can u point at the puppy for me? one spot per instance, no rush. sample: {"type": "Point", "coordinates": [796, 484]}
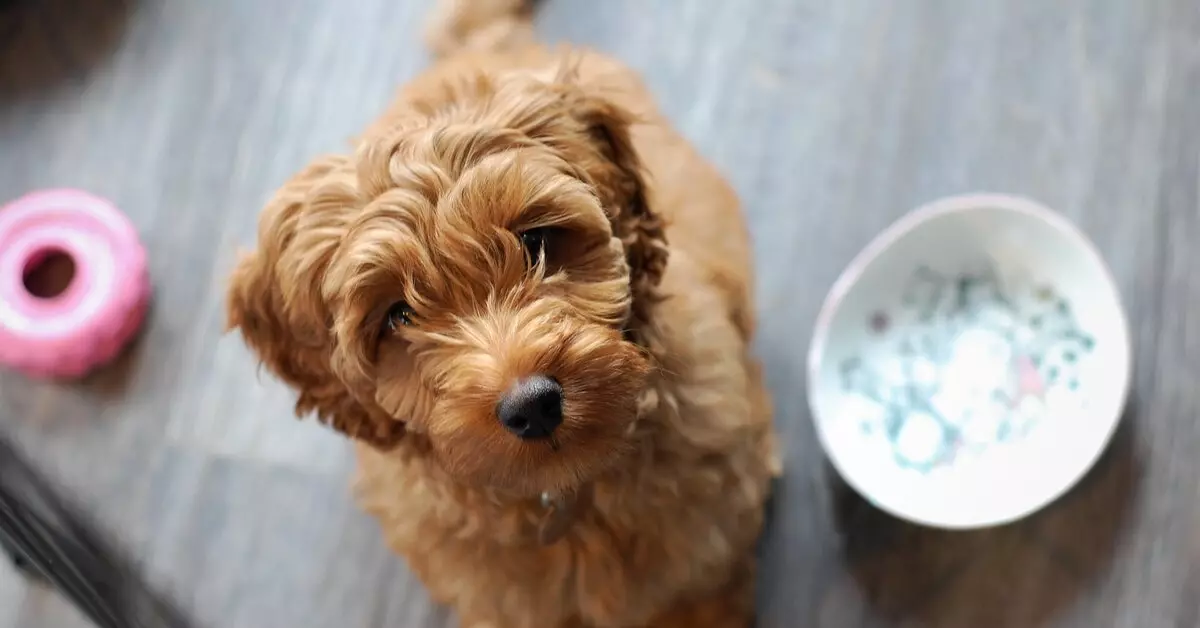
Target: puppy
{"type": "Point", "coordinates": [529, 302]}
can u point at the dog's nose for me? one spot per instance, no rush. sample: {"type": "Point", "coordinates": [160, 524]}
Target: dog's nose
{"type": "Point", "coordinates": [532, 408]}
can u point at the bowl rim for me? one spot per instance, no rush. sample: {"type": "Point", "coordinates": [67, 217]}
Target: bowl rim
{"type": "Point", "coordinates": [849, 277]}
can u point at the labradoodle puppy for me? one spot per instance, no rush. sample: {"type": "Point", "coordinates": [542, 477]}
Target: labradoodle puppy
{"type": "Point", "coordinates": [529, 301]}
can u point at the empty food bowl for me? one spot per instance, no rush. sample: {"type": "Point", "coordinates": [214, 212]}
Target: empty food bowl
{"type": "Point", "coordinates": [971, 364]}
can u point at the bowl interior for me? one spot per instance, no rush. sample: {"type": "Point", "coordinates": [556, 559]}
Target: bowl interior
{"type": "Point", "coordinates": [971, 365]}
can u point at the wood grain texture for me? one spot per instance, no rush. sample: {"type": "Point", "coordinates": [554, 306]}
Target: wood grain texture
{"type": "Point", "coordinates": [831, 118]}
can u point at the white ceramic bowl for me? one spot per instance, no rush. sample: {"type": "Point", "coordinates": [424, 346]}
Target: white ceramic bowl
{"type": "Point", "coordinates": [971, 364]}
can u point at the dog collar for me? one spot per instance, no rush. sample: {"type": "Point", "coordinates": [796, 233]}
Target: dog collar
{"type": "Point", "coordinates": [559, 513]}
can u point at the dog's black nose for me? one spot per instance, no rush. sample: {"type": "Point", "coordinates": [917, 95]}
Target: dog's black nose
{"type": "Point", "coordinates": [532, 408]}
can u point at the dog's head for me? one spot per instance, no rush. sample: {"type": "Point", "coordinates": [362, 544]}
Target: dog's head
{"type": "Point", "coordinates": [476, 277]}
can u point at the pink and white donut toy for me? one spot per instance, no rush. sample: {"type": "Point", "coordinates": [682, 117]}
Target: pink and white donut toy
{"type": "Point", "coordinates": [86, 324]}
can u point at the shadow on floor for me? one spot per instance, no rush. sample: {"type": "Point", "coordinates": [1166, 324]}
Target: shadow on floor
{"type": "Point", "coordinates": [47, 43]}
{"type": "Point", "coordinates": [112, 380]}
{"type": "Point", "coordinates": [1026, 573]}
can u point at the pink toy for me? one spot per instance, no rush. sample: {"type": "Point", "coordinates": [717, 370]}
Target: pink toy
{"type": "Point", "coordinates": [87, 323]}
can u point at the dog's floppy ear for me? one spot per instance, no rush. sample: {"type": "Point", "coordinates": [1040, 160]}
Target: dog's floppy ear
{"type": "Point", "coordinates": [274, 300]}
{"type": "Point", "coordinates": [623, 187]}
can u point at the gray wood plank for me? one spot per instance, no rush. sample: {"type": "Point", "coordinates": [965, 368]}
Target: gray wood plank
{"type": "Point", "coordinates": [831, 119]}
{"type": "Point", "coordinates": [13, 589]}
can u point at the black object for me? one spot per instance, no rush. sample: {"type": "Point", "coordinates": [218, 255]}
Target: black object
{"type": "Point", "coordinates": [48, 541]}
{"type": "Point", "coordinates": [17, 557]}
{"type": "Point", "coordinates": [532, 408]}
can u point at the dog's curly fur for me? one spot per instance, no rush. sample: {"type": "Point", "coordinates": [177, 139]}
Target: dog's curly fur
{"type": "Point", "coordinates": [641, 306]}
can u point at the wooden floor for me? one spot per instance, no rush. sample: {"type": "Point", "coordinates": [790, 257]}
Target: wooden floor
{"type": "Point", "coordinates": [832, 119]}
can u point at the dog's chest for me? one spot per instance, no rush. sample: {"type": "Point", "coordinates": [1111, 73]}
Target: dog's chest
{"type": "Point", "coordinates": [605, 555]}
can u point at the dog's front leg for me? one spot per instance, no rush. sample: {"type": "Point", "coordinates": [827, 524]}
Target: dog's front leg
{"type": "Point", "coordinates": [491, 623]}
{"type": "Point", "coordinates": [730, 607]}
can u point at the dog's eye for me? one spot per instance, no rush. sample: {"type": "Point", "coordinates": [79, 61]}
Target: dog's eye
{"type": "Point", "coordinates": [534, 241]}
{"type": "Point", "coordinates": [399, 315]}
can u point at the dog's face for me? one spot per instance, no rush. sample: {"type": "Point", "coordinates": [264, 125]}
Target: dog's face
{"type": "Point", "coordinates": [474, 277]}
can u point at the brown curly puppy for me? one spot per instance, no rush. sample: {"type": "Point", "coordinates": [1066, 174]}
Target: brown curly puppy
{"type": "Point", "coordinates": [529, 300]}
